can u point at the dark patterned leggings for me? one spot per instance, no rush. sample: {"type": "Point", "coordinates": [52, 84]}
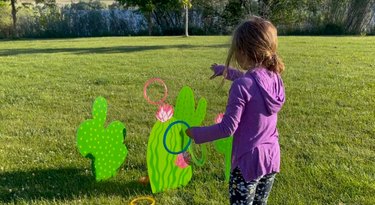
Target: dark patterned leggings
{"type": "Point", "coordinates": [249, 193]}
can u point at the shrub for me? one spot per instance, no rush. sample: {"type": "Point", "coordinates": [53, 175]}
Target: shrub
{"type": "Point", "coordinates": [332, 29]}
{"type": "Point", "coordinates": [5, 20]}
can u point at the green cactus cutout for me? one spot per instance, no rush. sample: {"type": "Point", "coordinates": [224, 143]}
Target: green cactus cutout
{"type": "Point", "coordinates": [224, 146]}
{"type": "Point", "coordinates": [185, 110]}
{"type": "Point", "coordinates": [104, 146]}
{"type": "Point", "coordinates": [163, 171]}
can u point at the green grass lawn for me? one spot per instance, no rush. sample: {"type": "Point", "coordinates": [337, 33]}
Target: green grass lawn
{"type": "Point", "coordinates": [47, 87]}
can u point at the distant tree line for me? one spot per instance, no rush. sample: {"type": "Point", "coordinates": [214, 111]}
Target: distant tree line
{"type": "Point", "coordinates": [46, 19]}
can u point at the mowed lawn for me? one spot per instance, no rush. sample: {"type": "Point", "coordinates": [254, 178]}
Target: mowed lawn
{"type": "Point", "coordinates": [47, 87]}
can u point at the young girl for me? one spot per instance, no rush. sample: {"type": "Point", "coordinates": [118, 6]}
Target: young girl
{"type": "Point", "coordinates": [255, 98]}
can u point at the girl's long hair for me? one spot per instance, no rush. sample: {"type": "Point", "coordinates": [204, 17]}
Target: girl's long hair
{"type": "Point", "coordinates": [256, 40]}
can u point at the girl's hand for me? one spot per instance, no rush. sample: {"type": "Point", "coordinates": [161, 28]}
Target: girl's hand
{"type": "Point", "coordinates": [217, 69]}
{"type": "Point", "coordinates": [189, 133]}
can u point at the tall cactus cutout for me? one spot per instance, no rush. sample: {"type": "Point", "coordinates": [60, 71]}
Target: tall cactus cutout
{"type": "Point", "coordinates": [104, 146]}
{"type": "Point", "coordinates": [163, 168]}
{"type": "Point", "coordinates": [224, 146]}
{"type": "Point", "coordinates": [168, 171]}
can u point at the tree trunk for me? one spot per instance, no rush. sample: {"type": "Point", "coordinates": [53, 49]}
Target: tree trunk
{"type": "Point", "coordinates": [150, 23]}
{"type": "Point", "coordinates": [359, 16]}
{"type": "Point", "coordinates": [14, 16]}
{"type": "Point", "coordinates": [186, 20]}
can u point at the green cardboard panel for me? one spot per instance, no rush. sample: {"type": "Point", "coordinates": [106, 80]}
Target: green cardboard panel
{"type": "Point", "coordinates": [168, 171]}
{"type": "Point", "coordinates": [224, 146]}
{"type": "Point", "coordinates": [104, 146]}
{"type": "Point", "coordinates": [165, 170]}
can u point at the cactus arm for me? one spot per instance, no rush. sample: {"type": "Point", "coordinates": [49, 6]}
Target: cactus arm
{"type": "Point", "coordinates": [185, 106]}
{"type": "Point", "coordinates": [200, 112]}
{"type": "Point", "coordinates": [99, 110]}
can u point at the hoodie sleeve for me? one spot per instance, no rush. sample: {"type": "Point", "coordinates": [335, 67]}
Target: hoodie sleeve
{"type": "Point", "coordinates": [232, 75]}
{"type": "Point", "coordinates": [238, 96]}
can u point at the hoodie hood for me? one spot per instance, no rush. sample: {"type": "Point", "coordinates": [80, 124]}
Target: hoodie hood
{"type": "Point", "coordinates": [271, 87]}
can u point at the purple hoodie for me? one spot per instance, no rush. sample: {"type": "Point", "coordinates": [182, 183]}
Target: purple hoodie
{"type": "Point", "coordinates": [255, 98]}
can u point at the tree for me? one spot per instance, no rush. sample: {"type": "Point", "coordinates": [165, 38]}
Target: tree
{"type": "Point", "coordinates": [360, 14]}
{"type": "Point", "coordinates": [5, 19]}
{"type": "Point", "coordinates": [233, 13]}
{"type": "Point", "coordinates": [187, 5]}
{"type": "Point", "coordinates": [284, 12]}
{"type": "Point", "coordinates": [14, 16]}
{"type": "Point", "coordinates": [147, 7]}
{"type": "Point", "coordinates": [211, 12]}
{"type": "Point", "coordinates": [342, 16]}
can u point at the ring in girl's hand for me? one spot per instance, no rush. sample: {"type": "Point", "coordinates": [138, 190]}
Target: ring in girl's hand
{"type": "Point", "coordinates": [165, 138]}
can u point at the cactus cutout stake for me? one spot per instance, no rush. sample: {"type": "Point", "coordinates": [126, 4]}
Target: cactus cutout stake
{"type": "Point", "coordinates": [224, 146]}
{"type": "Point", "coordinates": [104, 146]}
{"type": "Point", "coordinates": [168, 171]}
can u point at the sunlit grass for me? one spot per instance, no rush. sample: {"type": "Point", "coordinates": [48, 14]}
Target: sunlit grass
{"type": "Point", "coordinates": [327, 129]}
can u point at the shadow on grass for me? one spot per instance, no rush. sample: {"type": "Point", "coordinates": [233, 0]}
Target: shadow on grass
{"type": "Point", "coordinates": [101, 50]}
{"type": "Point", "coordinates": [61, 184]}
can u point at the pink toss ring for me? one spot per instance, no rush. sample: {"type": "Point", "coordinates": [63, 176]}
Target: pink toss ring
{"type": "Point", "coordinates": [159, 81]}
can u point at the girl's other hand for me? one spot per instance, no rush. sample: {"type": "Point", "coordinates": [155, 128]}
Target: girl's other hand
{"type": "Point", "coordinates": [217, 69]}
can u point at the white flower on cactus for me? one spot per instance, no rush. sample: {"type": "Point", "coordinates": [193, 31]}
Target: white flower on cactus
{"type": "Point", "coordinates": [164, 113]}
{"type": "Point", "coordinates": [219, 118]}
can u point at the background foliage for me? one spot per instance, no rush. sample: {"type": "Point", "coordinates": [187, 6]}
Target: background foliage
{"type": "Point", "coordinates": [46, 18]}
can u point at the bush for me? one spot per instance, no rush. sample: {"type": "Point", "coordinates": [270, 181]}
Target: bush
{"type": "Point", "coordinates": [86, 19]}
{"type": "Point", "coordinates": [5, 20]}
{"type": "Point", "coordinates": [333, 29]}
{"type": "Point", "coordinates": [372, 31]}
{"type": "Point", "coordinates": [233, 14]}
{"type": "Point", "coordinates": [76, 20]}
{"type": "Point", "coordinates": [309, 29]}
{"type": "Point", "coordinates": [194, 30]}
{"type": "Point", "coordinates": [211, 17]}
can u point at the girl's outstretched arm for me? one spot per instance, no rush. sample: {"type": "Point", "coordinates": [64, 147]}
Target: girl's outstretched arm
{"type": "Point", "coordinates": [232, 74]}
{"type": "Point", "coordinates": [238, 96]}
